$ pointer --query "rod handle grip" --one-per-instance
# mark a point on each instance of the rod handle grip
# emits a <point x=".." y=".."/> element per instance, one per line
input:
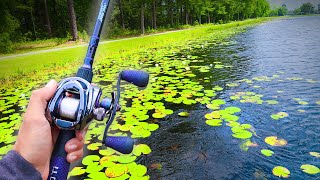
<point x="59" y="166"/>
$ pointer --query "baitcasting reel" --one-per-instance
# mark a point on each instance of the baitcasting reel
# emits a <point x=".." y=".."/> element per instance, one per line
<point x="77" y="102"/>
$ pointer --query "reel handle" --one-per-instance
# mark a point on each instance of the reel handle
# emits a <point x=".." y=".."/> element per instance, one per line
<point x="123" y="144"/>
<point x="138" y="78"/>
<point x="59" y="166"/>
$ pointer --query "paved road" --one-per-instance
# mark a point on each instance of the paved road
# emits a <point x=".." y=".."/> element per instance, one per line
<point x="82" y="45"/>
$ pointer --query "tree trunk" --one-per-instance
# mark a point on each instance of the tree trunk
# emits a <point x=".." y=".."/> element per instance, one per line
<point x="181" y="15"/>
<point x="121" y="14"/>
<point x="209" y="17"/>
<point x="47" y="18"/>
<point x="154" y="15"/>
<point x="73" y="21"/>
<point x="187" y="17"/>
<point x="33" y="24"/>
<point x="142" y="19"/>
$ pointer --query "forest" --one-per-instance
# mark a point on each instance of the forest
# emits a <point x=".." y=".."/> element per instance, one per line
<point x="32" y="20"/>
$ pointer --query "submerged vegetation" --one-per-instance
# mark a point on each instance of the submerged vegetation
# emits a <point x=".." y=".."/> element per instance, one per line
<point x="179" y="81"/>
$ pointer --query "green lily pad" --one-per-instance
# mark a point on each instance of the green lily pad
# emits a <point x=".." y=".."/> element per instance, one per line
<point x="116" y="171"/>
<point x="94" y="167"/>
<point x="267" y="152"/>
<point x="76" y="171"/>
<point x="315" y="154"/>
<point x="183" y="114"/>
<point x="94" y="146"/>
<point x="141" y="149"/>
<point x="125" y="159"/>
<point x="229" y="117"/>
<point x="303" y="103"/>
<point x="243" y="134"/>
<point x="279" y="115"/>
<point x="318" y="102"/>
<point x="218" y="102"/>
<point x="98" y="175"/>
<point x="274" y="141"/>
<point x="232" y="109"/>
<point x="108" y="161"/>
<point x="246" y="144"/>
<point x="281" y="172"/>
<point x="159" y="115"/>
<point x="214" y="122"/>
<point x="138" y="170"/>
<point x="272" y="102"/>
<point x="90" y="159"/>
<point x="107" y="152"/>
<point x="310" y="169"/>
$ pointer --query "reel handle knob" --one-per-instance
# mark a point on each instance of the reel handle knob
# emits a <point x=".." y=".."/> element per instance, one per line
<point x="138" y="78"/>
<point x="123" y="144"/>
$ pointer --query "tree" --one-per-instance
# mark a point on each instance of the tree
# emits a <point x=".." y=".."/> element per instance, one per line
<point x="73" y="20"/>
<point x="47" y="18"/>
<point x="307" y="8"/>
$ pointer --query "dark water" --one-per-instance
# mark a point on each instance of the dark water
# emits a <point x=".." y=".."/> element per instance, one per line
<point x="287" y="48"/>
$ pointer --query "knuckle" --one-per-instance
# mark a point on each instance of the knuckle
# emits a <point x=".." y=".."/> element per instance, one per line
<point x="35" y="93"/>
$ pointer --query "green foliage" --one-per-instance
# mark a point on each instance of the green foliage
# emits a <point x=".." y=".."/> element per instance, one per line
<point x="26" y="20"/>
<point x="306" y="8"/>
<point x="280" y="11"/>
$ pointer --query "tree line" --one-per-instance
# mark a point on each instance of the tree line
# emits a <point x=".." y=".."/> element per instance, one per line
<point x="306" y="8"/>
<point x="30" y="20"/>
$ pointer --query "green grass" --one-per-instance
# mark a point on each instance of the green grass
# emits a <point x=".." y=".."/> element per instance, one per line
<point x="15" y="69"/>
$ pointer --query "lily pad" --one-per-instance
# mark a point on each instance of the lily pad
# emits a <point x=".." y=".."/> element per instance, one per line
<point x="141" y="149"/>
<point x="243" y="134"/>
<point x="90" y="159"/>
<point x="214" y="122"/>
<point x="116" y="171"/>
<point x="310" y="169"/>
<point x="94" y="146"/>
<point x="274" y="141"/>
<point x="315" y="154"/>
<point x="279" y="115"/>
<point x="232" y="109"/>
<point x="267" y="152"/>
<point x="183" y="114"/>
<point x="281" y="172"/>
<point x="76" y="171"/>
<point x="272" y="102"/>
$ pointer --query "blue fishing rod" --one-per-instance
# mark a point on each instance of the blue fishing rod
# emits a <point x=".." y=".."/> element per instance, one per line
<point x="76" y="103"/>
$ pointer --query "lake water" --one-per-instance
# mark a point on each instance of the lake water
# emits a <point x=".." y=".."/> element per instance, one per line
<point x="287" y="51"/>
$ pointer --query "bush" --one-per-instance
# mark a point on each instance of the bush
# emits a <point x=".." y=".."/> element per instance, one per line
<point x="6" y="45"/>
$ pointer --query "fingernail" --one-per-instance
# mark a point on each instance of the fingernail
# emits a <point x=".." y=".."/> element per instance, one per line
<point x="73" y="147"/>
<point x="73" y="157"/>
<point x="50" y="83"/>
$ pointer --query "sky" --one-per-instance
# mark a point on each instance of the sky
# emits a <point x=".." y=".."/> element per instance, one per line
<point x="293" y="4"/>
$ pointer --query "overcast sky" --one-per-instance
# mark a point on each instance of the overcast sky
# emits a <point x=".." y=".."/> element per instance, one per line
<point x="293" y="4"/>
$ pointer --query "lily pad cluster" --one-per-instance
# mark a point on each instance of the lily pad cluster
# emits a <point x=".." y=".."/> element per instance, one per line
<point x="247" y="97"/>
<point x="111" y="164"/>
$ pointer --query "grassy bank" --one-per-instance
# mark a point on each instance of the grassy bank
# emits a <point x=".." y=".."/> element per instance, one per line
<point x="65" y="62"/>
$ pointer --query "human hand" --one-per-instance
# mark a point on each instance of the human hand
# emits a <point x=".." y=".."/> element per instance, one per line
<point x="36" y="138"/>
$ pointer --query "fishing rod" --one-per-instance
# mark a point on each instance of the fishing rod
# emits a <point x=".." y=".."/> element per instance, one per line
<point x="76" y="103"/>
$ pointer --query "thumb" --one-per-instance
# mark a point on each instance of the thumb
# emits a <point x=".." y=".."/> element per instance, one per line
<point x="40" y="97"/>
